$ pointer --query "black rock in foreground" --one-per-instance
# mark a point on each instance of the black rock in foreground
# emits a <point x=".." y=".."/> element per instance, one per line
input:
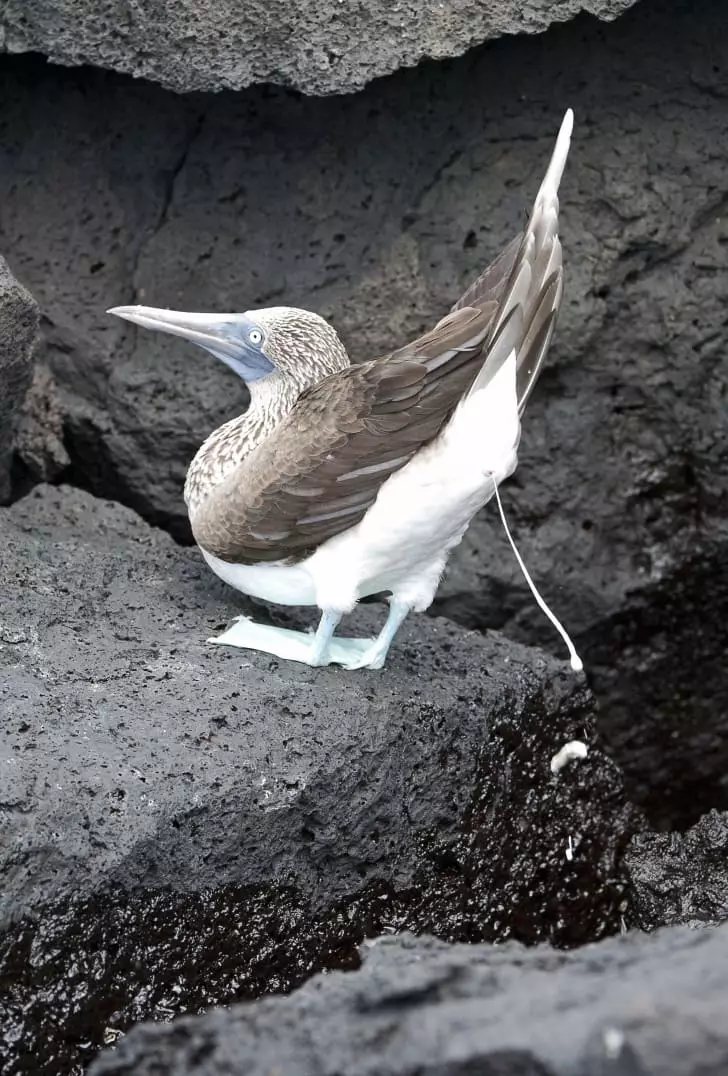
<point x="630" y="1006"/>
<point x="188" y="825"/>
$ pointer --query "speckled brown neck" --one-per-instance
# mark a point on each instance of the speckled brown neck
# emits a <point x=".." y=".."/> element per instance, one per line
<point x="270" y="401"/>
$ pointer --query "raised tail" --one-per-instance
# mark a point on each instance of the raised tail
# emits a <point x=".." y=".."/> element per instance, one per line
<point x="530" y="295"/>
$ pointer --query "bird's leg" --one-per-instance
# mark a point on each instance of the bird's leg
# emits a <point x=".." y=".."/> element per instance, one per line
<point x="319" y="648"/>
<point x="375" y="653"/>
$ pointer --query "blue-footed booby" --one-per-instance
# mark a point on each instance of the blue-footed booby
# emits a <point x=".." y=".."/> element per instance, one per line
<point x="342" y="481"/>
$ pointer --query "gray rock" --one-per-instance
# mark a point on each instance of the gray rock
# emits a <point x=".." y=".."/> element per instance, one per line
<point x="158" y="792"/>
<point x="681" y="877"/>
<point x="377" y="209"/>
<point x="18" y="333"/>
<point x="630" y="1006"/>
<point x="39" y="437"/>
<point x="333" y="46"/>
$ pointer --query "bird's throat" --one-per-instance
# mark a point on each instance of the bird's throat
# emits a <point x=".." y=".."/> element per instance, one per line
<point x="230" y="444"/>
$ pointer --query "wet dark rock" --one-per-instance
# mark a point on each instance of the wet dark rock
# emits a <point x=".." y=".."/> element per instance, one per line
<point x="18" y="335"/>
<point x="186" y="824"/>
<point x="680" y="877"/>
<point x="661" y="665"/>
<point x="332" y="46"/>
<point x="376" y="209"/>
<point x="631" y="1006"/>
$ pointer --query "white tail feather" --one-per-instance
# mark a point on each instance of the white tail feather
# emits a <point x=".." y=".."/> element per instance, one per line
<point x="554" y="172"/>
<point x="527" y="298"/>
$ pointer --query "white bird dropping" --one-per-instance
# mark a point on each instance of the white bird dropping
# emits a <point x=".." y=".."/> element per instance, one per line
<point x="570" y="752"/>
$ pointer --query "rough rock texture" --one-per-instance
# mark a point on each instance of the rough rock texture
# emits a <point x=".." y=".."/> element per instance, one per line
<point x="660" y="664"/>
<point x="631" y="1006"/>
<point x="289" y="810"/>
<point x="18" y="335"/>
<point x="681" y="877"/>
<point x="331" y="46"/>
<point x="39" y="437"/>
<point x="376" y="209"/>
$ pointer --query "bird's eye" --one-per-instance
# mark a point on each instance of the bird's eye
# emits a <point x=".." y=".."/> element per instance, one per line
<point x="256" y="337"/>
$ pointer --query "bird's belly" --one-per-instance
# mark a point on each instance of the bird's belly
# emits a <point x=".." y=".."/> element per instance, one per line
<point x="400" y="538"/>
<point x="282" y="584"/>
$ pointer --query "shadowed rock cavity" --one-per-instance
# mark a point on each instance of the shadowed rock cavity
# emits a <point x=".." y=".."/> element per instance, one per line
<point x="186" y="824"/>
<point x="332" y="46"/>
<point x="18" y="336"/>
<point x="375" y="210"/>
<point x="632" y="1006"/>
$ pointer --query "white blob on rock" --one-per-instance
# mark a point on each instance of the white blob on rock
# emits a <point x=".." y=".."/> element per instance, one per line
<point x="570" y="752"/>
<point x="613" y="1042"/>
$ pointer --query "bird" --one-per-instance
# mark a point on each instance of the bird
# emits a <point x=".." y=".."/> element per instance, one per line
<point x="345" y="480"/>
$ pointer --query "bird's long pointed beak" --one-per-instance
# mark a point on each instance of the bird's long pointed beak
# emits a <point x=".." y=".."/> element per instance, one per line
<point x="211" y="331"/>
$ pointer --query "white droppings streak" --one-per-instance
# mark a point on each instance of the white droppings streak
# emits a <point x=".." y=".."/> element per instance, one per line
<point x="570" y="752"/>
<point x="576" y="662"/>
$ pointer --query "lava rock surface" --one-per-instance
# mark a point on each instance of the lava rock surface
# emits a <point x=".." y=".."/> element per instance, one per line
<point x="333" y="46"/>
<point x="630" y="1006"/>
<point x="163" y="798"/>
<point x="680" y="877"/>
<point x="18" y="337"/>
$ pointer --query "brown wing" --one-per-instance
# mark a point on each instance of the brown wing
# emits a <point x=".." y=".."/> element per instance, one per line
<point x="324" y="466"/>
<point x="328" y="459"/>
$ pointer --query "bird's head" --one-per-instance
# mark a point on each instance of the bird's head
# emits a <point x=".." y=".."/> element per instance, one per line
<point x="295" y="344"/>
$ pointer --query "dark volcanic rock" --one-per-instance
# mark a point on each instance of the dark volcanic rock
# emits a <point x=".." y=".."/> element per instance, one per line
<point x="376" y="209"/>
<point x="681" y="877"/>
<point x="18" y="332"/>
<point x="661" y="664"/>
<point x="331" y="46"/>
<point x="631" y="1006"/>
<point x="186" y="824"/>
<point x="39" y="438"/>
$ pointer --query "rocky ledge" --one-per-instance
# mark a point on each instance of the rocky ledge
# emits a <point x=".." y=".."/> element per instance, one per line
<point x="273" y="813"/>
<point x="332" y="46"/>
<point x="634" y="1006"/>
